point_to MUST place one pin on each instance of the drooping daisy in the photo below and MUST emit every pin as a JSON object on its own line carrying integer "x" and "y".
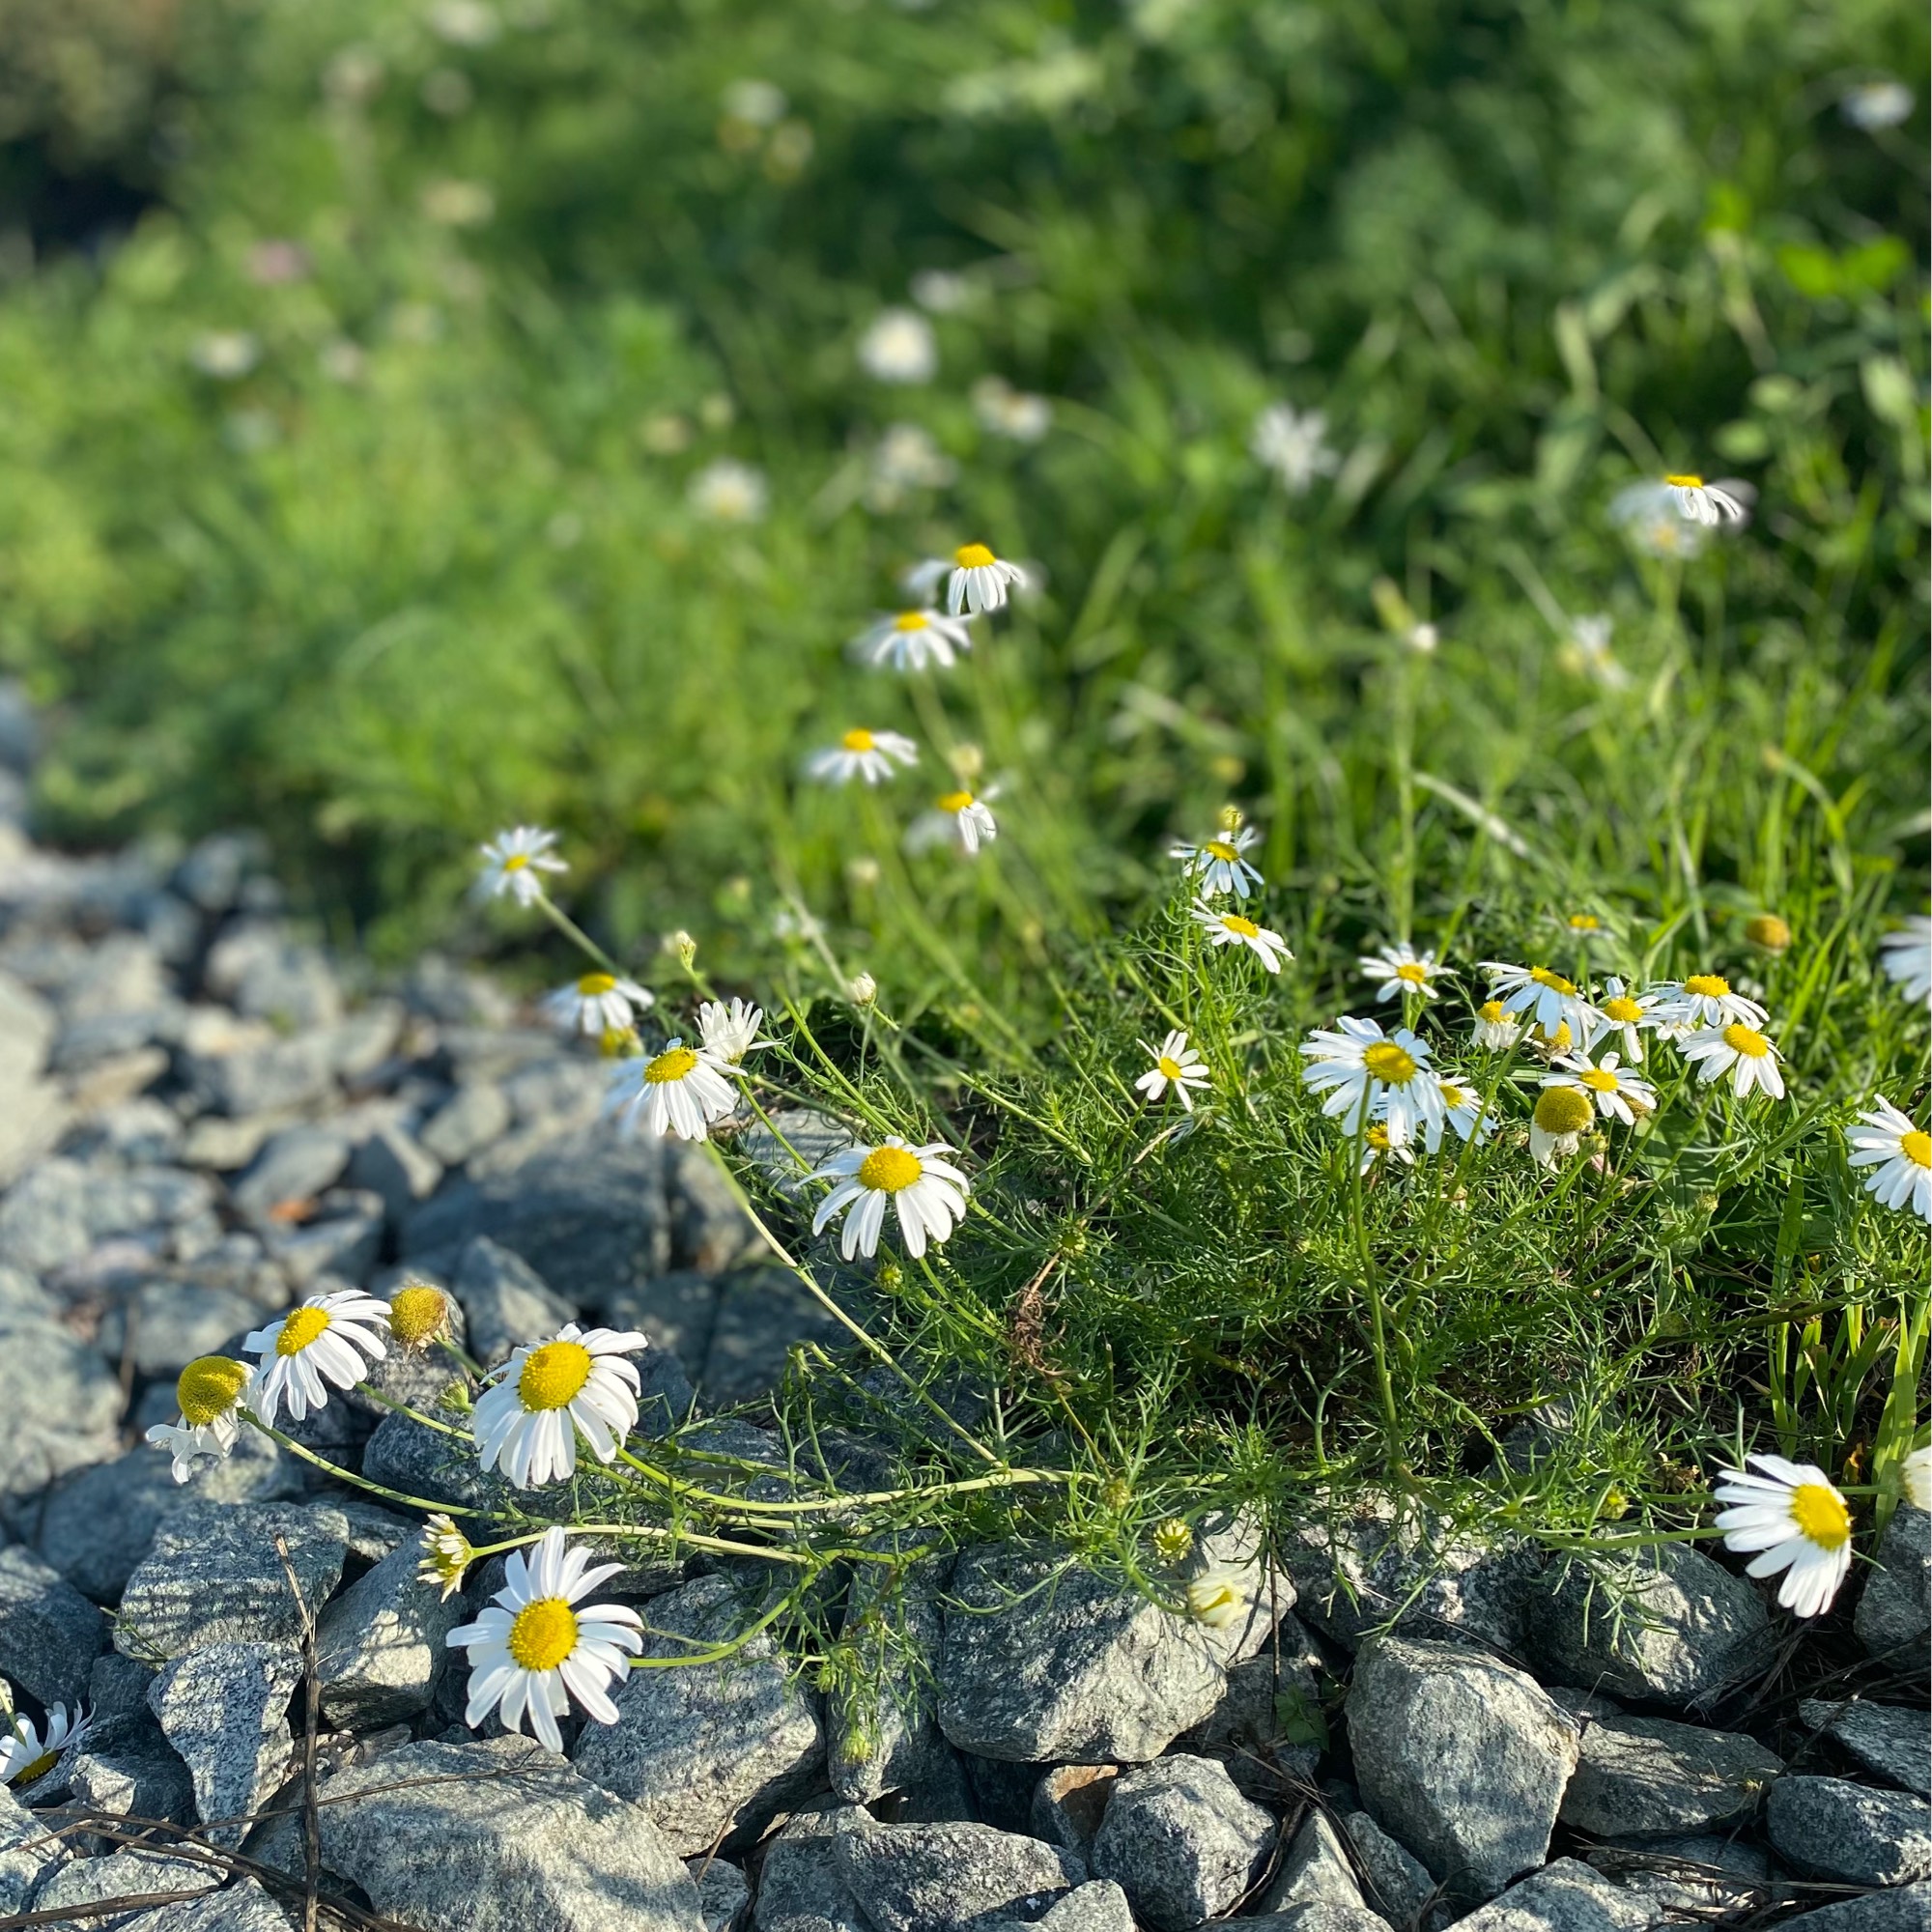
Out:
{"x": 1401, "y": 969}
{"x": 729, "y": 1033}
{"x": 26, "y": 1755}
{"x": 926, "y": 1190}
{"x": 676, "y": 1092}
{"x": 1906, "y": 955}
{"x": 528, "y": 1421}
{"x": 1218, "y": 1599}
{"x": 862, "y": 755}
{"x": 979, "y": 579}
{"x": 1461, "y": 1111}
{"x": 313, "y": 1347}
{"x": 537, "y": 1644}
{"x": 512, "y": 861}
{"x": 1795, "y": 1517}
{"x": 1176, "y": 1064}
{"x": 448, "y": 1554}
{"x": 1230, "y": 928}
{"x": 1561, "y": 1117}
{"x": 1740, "y": 1051}
{"x": 1546, "y": 997}
{"x": 1621, "y": 1011}
{"x": 1216, "y": 864}
{"x": 1293, "y": 445}
{"x": 914, "y": 638}
{"x": 1365, "y": 1071}
{"x": 961, "y": 818}
{"x": 207, "y": 1393}
{"x": 899, "y": 346}
{"x": 1377, "y": 1145}
{"x": 1915, "y": 1474}
{"x": 597, "y": 1003}
{"x": 1619, "y": 1097}
{"x": 1706, "y": 503}
{"x": 1647, "y": 514}
{"x": 1703, "y": 1000}
{"x": 1899, "y": 1157}
{"x": 1494, "y": 1030}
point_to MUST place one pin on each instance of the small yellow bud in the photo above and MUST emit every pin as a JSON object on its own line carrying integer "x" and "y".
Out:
{"x": 1117, "y": 1494}
{"x": 1767, "y": 931}
{"x": 1172, "y": 1541}
{"x": 864, "y": 989}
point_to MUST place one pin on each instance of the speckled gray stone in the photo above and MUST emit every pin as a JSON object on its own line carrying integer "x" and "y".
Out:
{"x": 1097, "y": 1905}
{"x": 1829, "y": 1828}
{"x": 889, "y": 1740}
{"x": 1068, "y": 1804}
{"x": 801, "y": 1886}
{"x": 1688, "y": 1875}
{"x": 26, "y": 1852}
{"x": 722, "y": 1895}
{"x": 380, "y": 1644}
{"x": 49, "y": 1633}
{"x": 225, "y": 1709}
{"x": 949, "y": 1877}
{"x": 1395, "y": 1882}
{"x": 240, "y": 1908}
{"x": 1315, "y": 1869}
{"x": 129, "y": 1873}
{"x": 1263, "y": 1695}
{"x": 1639, "y": 1776}
{"x": 506, "y": 1301}
{"x": 1564, "y": 1896}
{"x": 1317, "y": 1914}
{"x": 1891, "y": 1741}
{"x": 1905, "y": 1908}
{"x": 1892, "y": 1615}
{"x": 1181, "y": 1840}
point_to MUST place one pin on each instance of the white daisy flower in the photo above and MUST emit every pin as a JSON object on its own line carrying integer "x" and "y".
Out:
{"x": 1796, "y": 1518}
{"x": 207, "y": 1393}
{"x": 1906, "y": 955}
{"x": 1293, "y": 445}
{"x": 26, "y": 1755}
{"x": 448, "y": 1554}
{"x": 1647, "y": 514}
{"x": 1590, "y": 643}
{"x": 976, "y": 579}
{"x": 1562, "y": 1116}
{"x": 313, "y": 1347}
{"x": 1621, "y": 1011}
{"x": 1742, "y": 1052}
{"x": 1176, "y": 1064}
{"x": 1915, "y": 1473}
{"x": 1217, "y": 865}
{"x": 728, "y": 492}
{"x": 927, "y": 1191}
{"x": 1706, "y": 503}
{"x": 1875, "y": 104}
{"x": 597, "y": 1003}
{"x": 1899, "y": 1155}
{"x": 956, "y": 819}
{"x": 1230, "y": 928}
{"x": 729, "y": 1033}
{"x": 1005, "y": 410}
{"x": 899, "y": 346}
{"x": 1544, "y": 997}
{"x": 537, "y": 1644}
{"x": 1401, "y": 969}
{"x": 679, "y": 1092}
{"x": 1378, "y": 1144}
{"x": 862, "y": 755}
{"x": 512, "y": 861}
{"x": 528, "y": 1421}
{"x": 1494, "y": 1030}
{"x": 906, "y": 458}
{"x": 1365, "y": 1071}
{"x": 1703, "y": 1000}
{"x": 1461, "y": 1111}
{"x": 1219, "y": 1598}
{"x": 225, "y": 353}
{"x": 1619, "y": 1097}
{"x": 914, "y": 638}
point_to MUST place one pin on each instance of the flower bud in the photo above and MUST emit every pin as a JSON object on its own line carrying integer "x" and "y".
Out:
{"x": 1172, "y": 1541}
{"x": 418, "y": 1314}
{"x": 1768, "y": 932}
{"x": 862, "y": 989}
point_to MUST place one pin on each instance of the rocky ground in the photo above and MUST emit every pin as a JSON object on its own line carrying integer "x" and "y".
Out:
{"x": 202, "y": 1119}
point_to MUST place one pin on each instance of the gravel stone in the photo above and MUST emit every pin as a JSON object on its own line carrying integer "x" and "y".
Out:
{"x": 1097, "y": 1905}
{"x": 170, "y": 1322}
{"x": 1068, "y": 1802}
{"x": 224, "y": 1707}
{"x": 1181, "y": 1840}
{"x": 801, "y": 1885}
{"x": 1665, "y": 1873}
{"x": 1905, "y": 1908}
{"x": 129, "y": 1873}
{"x": 255, "y": 1075}
{"x": 380, "y": 1645}
{"x": 61, "y": 1401}
{"x": 240, "y": 1907}
{"x": 297, "y": 1164}
{"x": 1319, "y": 1914}
{"x": 762, "y": 1313}
{"x": 1891, "y": 1741}
{"x": 498, "y": 1835}
{"x": 1829, "y": 1828}
{"x": 713, "y": 1750}
{"x": 891, "y": 1741}
{"x": 1396, "y": 1884}
{"x": 1637, "y": 1776}
{"x": 678, "y": 1311}
{"x": 722, "y": 1895}
{"x": 474, "y": 1115}
{"x": 1316, "y": 1871}
{"x": 26, "y": 1852}
{"x": 1892, "y": 1615}
{"x": 132, "y": 1785}
{"x": 1463, "y": 1758}
{"x": 949, "y": 1877}
{"x": 405, "y": 1456}
{"x": 1244, "y": 1730}
{"x": 393, "y": 1164}
{"x": 505, "y": 1302}
{"x": 49, "y": 1633}
{"x": 1564, "y": 1896}
{"x": 710, "y": 1232}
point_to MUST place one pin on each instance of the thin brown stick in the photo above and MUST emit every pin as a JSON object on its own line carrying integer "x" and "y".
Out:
{"x": 311, "y": 1700}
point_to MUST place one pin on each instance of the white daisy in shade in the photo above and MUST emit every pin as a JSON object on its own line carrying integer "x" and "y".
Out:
{"x": 1875, "y": 104}
{"x": 1176, "y": 1064}
{"x": 1233, "y": 928}
{"x": 1707, "y": 503}
{"x": 1548, "y": 998}
{"x": 1899, "y": 1157}
{"x": 1590, "y": 648}
{"x": 728, "y": 492}
{"x": 1401, "y": 969}
{"x": 1494, "y": 1030}
{"x": 537, "y": 1644}
{"x": 974, "y": 579}
{"x": 679, "y": 1092}
{"x": 925, "y": 1189}
{"x": 961, "y": 818}
{"x": 446, "y": 1555}
{"x": 1647, "y": 514}
{"x": 528, "y": 1421}
{"x": 729, "y": 1032}
{"x": 1217, "y": 865}
{"x": 1219, "y": 1598}
{"x": 513, "y": 862}
{"x": 597, "y": 1003}
{"x": 1618, "y": 1095}
{"x": 27, "y": 1754}
{"x": 207, "y": 1393}
{"x": 913, "y": 639}
{"x": 899, "y": 346}
{"x": 1740, "y": 1051}
{"x": 1461, "y": 1113}
{"x": 1906, "y": 955}
{"x": 1364, "y": 1071}
{"x": 862, "y": 755}
{"x": 1625, "y": 1014}
{"x": 313, "y": 1347}
{"x": 1915, "y": 1473}
{"x": 1562, "y": 1116}
{"x": 1702, "y": 1000}
{"x": 1293, "y": 445}
{"x": 1379, "y": 1144}
{"x": 1005, "y": 410}
{"x": 1793, "y": 1515}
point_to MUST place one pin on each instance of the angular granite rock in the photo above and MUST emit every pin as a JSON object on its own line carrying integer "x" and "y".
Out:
{"x": 1892, "y": 1615}
{"x": 1829, "y": 1828}
{"x": 1564, "y": 1896}
{"x": 1639, "y": 1776}
{"x": 949, "y": 1877}
{"x": 380, "y": 1645}
{"x": 49, "y": 1633}
{"x": 1891, "y": 1741}
{"x": 1181, "y": 1841}
{"x": 224, "y": 1708}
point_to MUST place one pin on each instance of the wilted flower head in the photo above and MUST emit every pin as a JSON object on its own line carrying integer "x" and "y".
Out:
{"x": 419, "y": 1314}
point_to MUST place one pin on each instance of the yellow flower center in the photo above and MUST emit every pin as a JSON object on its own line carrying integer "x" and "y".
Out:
{"x": 1624, "y": 1010}
{"x": 955, "y": 801}
{"x": 1557, "y": 1041}
{"x": 858, "y": 739}
{"x": 1453, "y": 1097}
{"x": 1219, "y": 848}
{"x": 1412, "y": 974}
{"x": 973, "y": 557}
{"x": 617, "y": 1043}
{"x": 1819, "y": 1511}
{"x": 516, "y": 861}
{"x": 1389, "y": 1062}
{"x": 1585, "y": 922}
{"x": 1707, "y": 985}
{"x": 543, "y": 1633}
{"x": 1916, "y": 1148}
{"x": 909, "y": 620}
{"x": 887, "y": 1170}
{"x": 38, "y": 1768}
{"x": 553, "y": 1375}
{"x": 1745, "y": 1041}
{"x": 1768, "y": 930}
{"x": 1378, "y": 1137}
{"x": 299, "y": 1328}
{"x": 211, "y": 1385}
{"x": 1556, "y": 982}
{"x": 1562, "y": 1110}
{"x": 594, "y": 986}
{"x": 418, "y": 1314}
{"x": 1493, "y": 1013}
{"x": 671, "y": 1065}
{"x": 1599, "y": 1080}
{"x": 1685, "y": 482}
{"x": 1170, "y": 1070}
{"x": 1242, "y": 928}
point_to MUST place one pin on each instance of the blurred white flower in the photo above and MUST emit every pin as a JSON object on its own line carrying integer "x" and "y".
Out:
{"x": 976, "y": 579}
{"x": 597, "y": 1003}
{"x": 941, "y": 291}
{"x": 1293, "y": 445}
{"x": 1423, "y": 639}
{"x": 1905, "y": 957}
{"x": 457, "y": 204}
{"x": 343, "y": 360}
{"x": 757, "y": 103}
{"x": 1649, "y": 518}
{"x": 1876, "y": 104}
{"x": 1589, "y": 651}
{"x": 728, "y": 492}
{"x": 225, "y": 353}
{"x": 956, "y": 819}
{"x": 512, "y": 860}
{"x": 906, "y": 458}
{"x": 899, "y": 346}
{"x": 1005, "y": 410}
{"x": 912, "y": 638}
{"x": 1708, "y": 503}
{"x": 861, "y": 753}
{"x": 464, "y": 23}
